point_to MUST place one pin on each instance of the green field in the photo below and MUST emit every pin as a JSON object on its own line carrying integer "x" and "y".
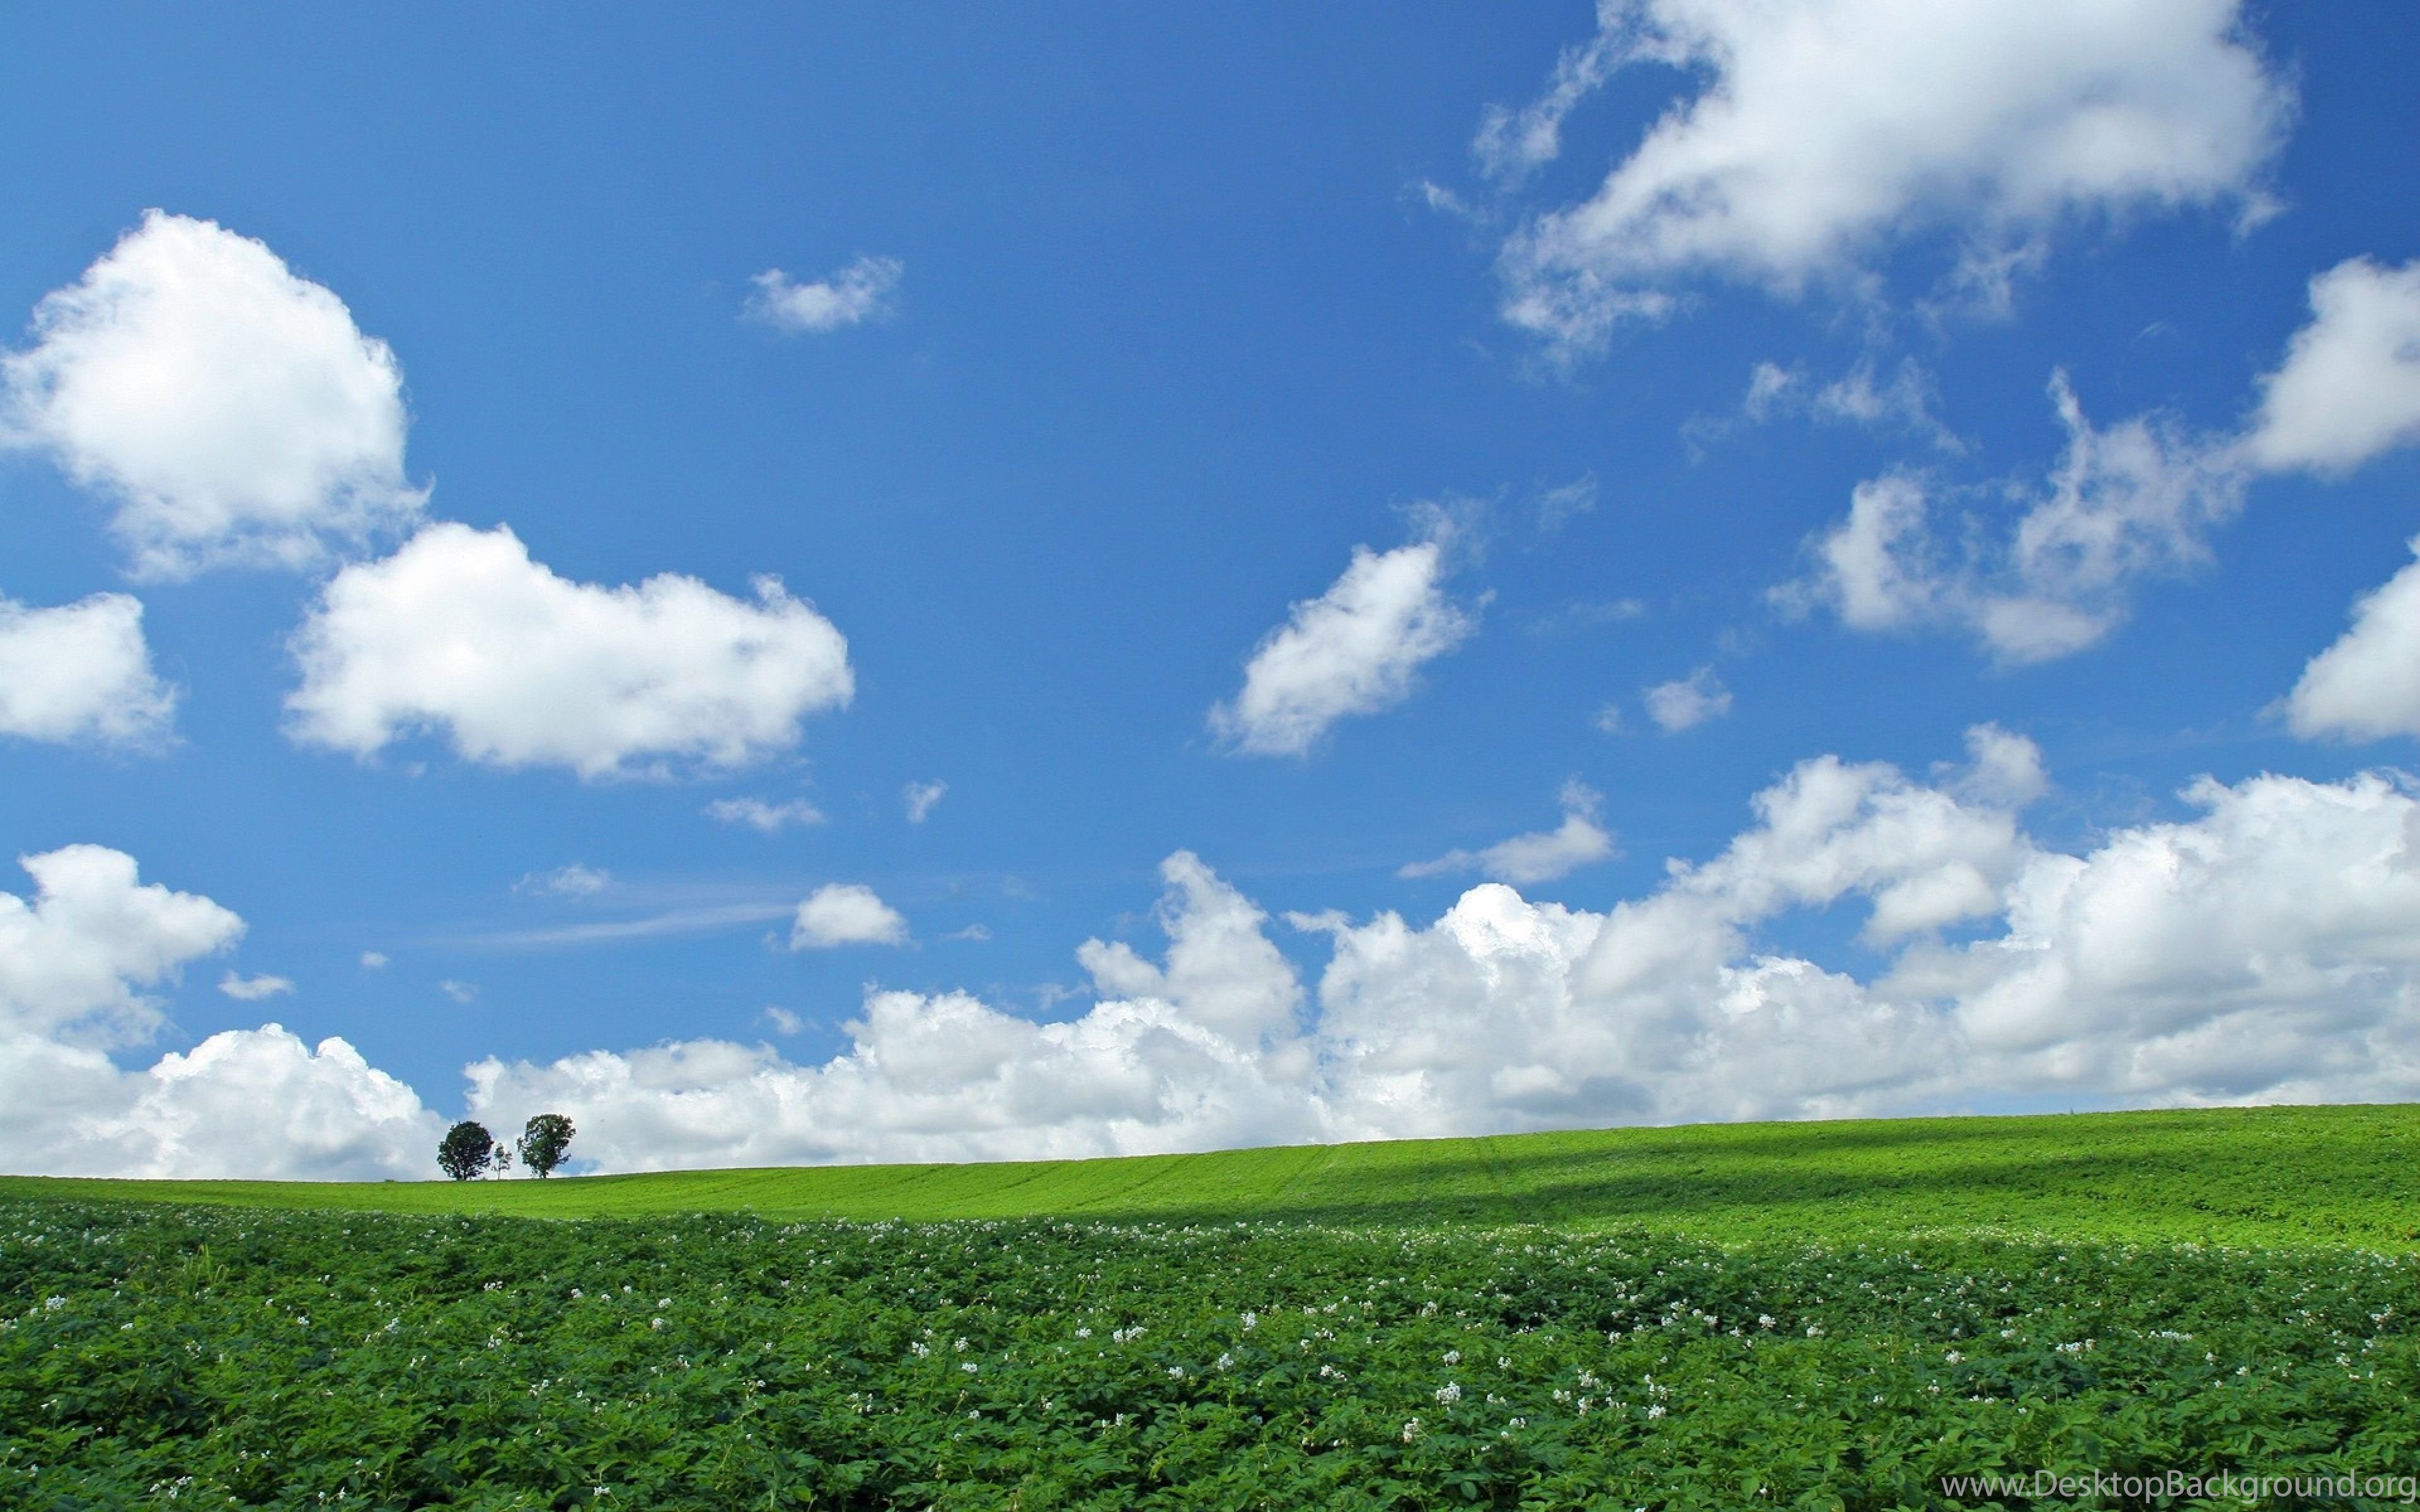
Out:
{"x": 1817, "y": 1316}
{"x": 2328, "y": 1175}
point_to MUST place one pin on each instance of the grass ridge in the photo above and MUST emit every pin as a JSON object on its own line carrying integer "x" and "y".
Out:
{"x": 2333, "y": 1175}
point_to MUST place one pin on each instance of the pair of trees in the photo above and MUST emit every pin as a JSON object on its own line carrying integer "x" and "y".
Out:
{"x": 469, "y": 1149}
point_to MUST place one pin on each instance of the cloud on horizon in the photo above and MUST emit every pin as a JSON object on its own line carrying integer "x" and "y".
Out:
{"x": 2265, "y": 949}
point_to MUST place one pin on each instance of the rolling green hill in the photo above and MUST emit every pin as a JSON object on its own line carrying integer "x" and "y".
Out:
{"x": 2326, "y": 1175}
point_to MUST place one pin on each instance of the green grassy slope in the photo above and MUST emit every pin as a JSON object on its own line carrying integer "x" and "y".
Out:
{"x": 2328, "y": 1175}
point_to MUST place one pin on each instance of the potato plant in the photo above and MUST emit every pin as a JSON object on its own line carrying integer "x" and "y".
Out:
{"x": 213, "y": 1357}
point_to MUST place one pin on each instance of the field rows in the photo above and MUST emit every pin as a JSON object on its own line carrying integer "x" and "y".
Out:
{"x": 161, "y": 1356}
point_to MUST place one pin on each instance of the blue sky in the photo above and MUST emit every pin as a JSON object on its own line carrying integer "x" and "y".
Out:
{"x": 1345, "y": 576}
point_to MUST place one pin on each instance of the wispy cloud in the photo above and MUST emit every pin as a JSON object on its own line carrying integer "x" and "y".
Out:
{"x": 758, "y": 814}
{"x": 1686, "y": 702}
{"x": 862, "y": 291}
{"x": 920, "y": 796}
{"x": 695, "y": 921}
{"x": 573, "y": 881}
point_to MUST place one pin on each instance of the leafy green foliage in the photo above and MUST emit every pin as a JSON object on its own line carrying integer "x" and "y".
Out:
{"x": 212, "y": 1356}
{"x": 544, "y": 1140}
{"x": 468, "y": 1149}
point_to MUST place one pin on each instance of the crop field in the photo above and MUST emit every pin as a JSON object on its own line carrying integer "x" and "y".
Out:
{"x": 2241, "y": 1176}
{"x": 1860, "y": 1347}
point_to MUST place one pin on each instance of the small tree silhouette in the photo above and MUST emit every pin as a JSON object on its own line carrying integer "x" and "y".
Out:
{"x": 469, "y": 1149}
{"x": 543, "y": 1142}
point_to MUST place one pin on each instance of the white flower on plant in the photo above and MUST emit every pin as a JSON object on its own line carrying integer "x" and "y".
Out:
{"x": 1449, "y": 1393}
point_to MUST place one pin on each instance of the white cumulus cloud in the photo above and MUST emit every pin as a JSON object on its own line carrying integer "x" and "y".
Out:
{"x": 2264, "y": 949}
{"x": 920, "y": 797}
{"x": 2366, "y": 687}
{"x": 460, "y": 633}
{"x": 863, "y": 291}
{"x": 1541, "y": 855}
{"x": 2137, "y": 500}
{"x": 230, "y": 409}
{"x": 846, "y": 913}
{"x": 1353, "y": 650}
{"x": 1202, "y": 1056}
{"x": 1686, "y": 702}
{"x": 2349, "y": 386}
{"x": 1822, "y": 133}
{"x": 73, "y": 958}
{"x": 252, "y": 989}
{"x": 75, "y": 967}
{"x": 82, "y": 671}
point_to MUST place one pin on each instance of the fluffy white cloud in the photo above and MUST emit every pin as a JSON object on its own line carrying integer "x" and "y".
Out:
{"x": 1226, "y": 975}
{"x": 1686, "y": 702}
{"x": 1541, "y": 855}
{"x": 459, "y": 631}
{"x": 252, "y": 989}
{"x": 920, "y": 797}
{"x": 1203, "y": 1056}
{"x": 2366, "y": 687}
{"x": 2266, "y": 949}
{"x": 74, "y": 967}
{"x": 758, "y": 814}
{"x": 256, "y": 1104}
{"x": 1826, "y": 130}
{"x": 861, "y": 291}
{"x": 82, "y": 671}
{"x": 373, "y": 960}
{"x": 231, "y": 409}
{"x": 2138, "y": 499}
{"x": 846, "y": 913}
{"x": 1353, "y": 650}
{"x": 2349, "y": 386}
{"x": 72, "y": 959}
